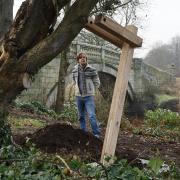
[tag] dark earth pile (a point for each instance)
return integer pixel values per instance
(133, 146)
(61, 138)
(67, 140)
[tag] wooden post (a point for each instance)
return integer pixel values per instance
(118, 31)
(118, 99)
(92, 27)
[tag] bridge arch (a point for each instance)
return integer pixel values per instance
(107, 74)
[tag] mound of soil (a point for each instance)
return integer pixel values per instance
(61, 138)
(67, 140)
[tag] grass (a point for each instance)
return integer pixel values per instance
(160, 98)
(25, 124)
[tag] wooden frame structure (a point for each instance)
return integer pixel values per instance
(125, 38)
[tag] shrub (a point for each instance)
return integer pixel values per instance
(162, 118)
(27, 107)
(36, 107)
(69, 112)
(30, 163)
(121, 169)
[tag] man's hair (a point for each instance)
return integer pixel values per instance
(80, 55)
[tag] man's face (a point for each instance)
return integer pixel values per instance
(82, 59)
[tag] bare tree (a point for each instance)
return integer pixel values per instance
(130, 14)
(29, 45)
(159, 56)
(60, 98)
(176, 50)
(166, 56)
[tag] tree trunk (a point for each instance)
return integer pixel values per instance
(6, 16)
(62, 73)
(5, 131)
(61, 82)
(177, 57)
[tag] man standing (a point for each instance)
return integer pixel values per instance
(86, 80)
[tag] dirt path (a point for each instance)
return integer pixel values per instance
(65, 139)
(133, 146)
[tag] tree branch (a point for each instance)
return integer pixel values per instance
(68, 29)
(22, 36)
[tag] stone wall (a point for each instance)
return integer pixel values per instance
(147, 77)
(43, 83)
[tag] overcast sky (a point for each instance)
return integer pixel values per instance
(163, 23)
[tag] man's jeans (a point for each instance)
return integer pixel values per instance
(86, 104)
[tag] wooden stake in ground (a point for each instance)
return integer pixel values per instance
(118, 99)
(127, 39)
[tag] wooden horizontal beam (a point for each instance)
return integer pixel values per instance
(118, 31)
(92, 27)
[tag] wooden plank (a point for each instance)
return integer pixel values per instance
(90, 26)
(118, 99)
(118, 31)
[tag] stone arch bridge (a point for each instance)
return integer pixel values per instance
(106, 60)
